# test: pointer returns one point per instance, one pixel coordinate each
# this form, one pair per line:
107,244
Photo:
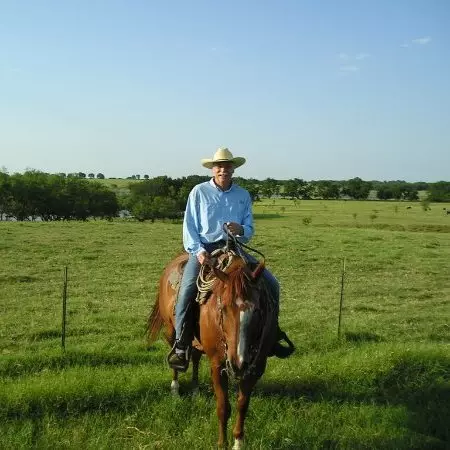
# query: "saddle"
206,277
205,282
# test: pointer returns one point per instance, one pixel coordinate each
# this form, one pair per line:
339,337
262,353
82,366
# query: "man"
209,206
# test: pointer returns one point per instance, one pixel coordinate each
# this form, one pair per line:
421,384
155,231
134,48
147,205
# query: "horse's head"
240,295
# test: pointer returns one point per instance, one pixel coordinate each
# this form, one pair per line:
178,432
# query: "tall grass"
385,384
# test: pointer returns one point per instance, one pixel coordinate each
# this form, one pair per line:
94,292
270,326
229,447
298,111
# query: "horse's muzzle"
237,370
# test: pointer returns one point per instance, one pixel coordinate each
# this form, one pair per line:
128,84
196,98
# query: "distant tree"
5,194
327,189
81,175
439,192
291,190
187,183
91,175
138,177
305,189
425,203
420,186
146,177
250,185
411,194
77,195
357,188
103,202
253,191
30,193
54,197
385,193
100,176
154,187
297,188
268,188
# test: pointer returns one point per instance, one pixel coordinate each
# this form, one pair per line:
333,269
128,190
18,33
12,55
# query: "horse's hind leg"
170,337
196,356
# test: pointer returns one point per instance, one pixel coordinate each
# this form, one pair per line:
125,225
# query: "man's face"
223,171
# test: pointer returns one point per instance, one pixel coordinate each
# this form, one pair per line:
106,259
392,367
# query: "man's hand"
235,228
204,258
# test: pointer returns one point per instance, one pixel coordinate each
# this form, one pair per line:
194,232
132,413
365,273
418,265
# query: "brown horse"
236,329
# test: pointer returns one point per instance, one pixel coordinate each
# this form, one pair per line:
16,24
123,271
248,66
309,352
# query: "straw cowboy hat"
223,155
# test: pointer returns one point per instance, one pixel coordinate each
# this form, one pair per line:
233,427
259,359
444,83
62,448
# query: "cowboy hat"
223,155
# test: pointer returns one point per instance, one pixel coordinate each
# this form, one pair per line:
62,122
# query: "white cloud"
422,41
349,69
361,56
343,56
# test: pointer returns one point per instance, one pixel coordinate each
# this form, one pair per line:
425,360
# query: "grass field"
384,384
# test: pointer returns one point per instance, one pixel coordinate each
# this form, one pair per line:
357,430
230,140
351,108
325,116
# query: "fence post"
64,311
342,297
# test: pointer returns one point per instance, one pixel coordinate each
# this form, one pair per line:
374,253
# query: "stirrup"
181,366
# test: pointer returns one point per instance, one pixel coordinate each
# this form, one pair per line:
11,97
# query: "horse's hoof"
175,388
238,443
195,392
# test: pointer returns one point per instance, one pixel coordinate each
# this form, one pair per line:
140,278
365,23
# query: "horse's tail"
154,323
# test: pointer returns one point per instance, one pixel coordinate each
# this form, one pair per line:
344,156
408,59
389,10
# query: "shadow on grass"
43,335
55,333
361,337
419,228
266,216
443,336
364,308
17,279
37,409
422,386
15,367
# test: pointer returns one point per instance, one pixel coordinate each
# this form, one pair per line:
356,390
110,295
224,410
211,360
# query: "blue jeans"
184,332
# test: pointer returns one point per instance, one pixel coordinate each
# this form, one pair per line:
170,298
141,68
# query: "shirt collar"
214,185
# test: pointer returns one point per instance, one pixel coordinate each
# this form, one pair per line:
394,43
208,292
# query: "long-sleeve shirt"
208,208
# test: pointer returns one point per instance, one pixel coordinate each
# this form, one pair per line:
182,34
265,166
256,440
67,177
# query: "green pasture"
385,384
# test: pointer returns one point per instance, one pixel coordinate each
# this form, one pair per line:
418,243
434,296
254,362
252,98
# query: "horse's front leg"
175,386
245,390
220,382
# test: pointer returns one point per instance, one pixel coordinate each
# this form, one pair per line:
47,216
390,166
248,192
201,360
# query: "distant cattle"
408,207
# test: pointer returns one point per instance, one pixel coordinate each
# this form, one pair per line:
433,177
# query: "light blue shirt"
208,208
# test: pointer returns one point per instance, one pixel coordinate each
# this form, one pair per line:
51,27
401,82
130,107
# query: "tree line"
35,194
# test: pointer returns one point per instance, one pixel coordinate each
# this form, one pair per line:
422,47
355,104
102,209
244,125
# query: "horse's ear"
220,274
258,271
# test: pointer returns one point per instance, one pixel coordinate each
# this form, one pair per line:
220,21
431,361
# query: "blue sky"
307,89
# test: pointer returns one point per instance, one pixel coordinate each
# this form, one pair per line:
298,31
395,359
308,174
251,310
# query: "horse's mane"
236,286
